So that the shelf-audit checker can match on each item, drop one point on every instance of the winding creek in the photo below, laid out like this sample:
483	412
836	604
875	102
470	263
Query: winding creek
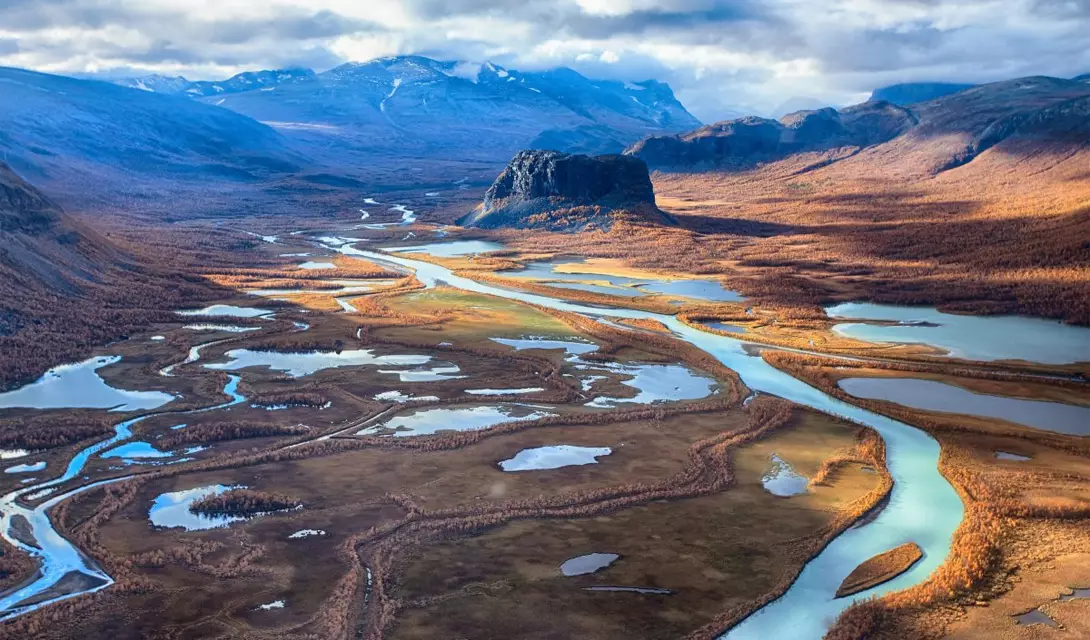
922	508
30	529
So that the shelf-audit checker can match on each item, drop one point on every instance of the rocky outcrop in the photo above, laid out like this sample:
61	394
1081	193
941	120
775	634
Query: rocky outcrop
560	191
748	141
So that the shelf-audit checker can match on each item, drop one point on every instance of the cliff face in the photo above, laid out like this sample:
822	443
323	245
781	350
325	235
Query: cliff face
549	189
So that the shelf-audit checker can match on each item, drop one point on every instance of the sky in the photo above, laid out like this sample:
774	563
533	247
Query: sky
722	57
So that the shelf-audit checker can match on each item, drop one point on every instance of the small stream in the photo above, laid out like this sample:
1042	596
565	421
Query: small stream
59	560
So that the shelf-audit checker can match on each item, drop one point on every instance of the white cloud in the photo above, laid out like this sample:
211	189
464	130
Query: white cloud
717	54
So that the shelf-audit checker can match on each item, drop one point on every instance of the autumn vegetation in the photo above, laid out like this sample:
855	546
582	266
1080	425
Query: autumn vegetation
242	502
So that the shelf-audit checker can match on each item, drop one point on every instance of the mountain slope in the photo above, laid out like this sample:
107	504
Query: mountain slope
40	246
1035	113
64	288
751	140
912	92
80	136
412	105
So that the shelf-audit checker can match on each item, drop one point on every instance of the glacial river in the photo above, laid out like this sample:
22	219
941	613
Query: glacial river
923	507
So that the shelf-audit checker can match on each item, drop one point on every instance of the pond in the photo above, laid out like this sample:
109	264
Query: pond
436	373
171	510
135	450
723	326
79	386
298	365
452	249
701	288
226	310
782	479
504	392
932	395
554	457
226	328
29	467
967	337
655	383
311	265
570	347
590	563
422	422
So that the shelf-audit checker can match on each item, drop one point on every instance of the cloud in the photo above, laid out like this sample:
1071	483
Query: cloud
720	56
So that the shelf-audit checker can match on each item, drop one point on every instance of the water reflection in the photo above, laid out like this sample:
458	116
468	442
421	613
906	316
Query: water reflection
782	480
428	421
932	395
554	457
590	563
969	337
79	386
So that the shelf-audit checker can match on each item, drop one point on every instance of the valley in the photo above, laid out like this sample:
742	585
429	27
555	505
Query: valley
604	397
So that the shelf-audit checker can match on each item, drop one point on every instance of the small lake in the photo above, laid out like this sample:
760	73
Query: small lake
570	347
504	392
782	480
171	510
136	449
298	365
401	398
932	395
226	328
590	563
226	310
79	386
311	265
451	249
711	290
423	422
554	457
968	337
655	383
723	326
624	292
29	467
701	289
436	373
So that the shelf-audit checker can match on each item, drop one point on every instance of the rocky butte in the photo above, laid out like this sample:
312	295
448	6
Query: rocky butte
568	192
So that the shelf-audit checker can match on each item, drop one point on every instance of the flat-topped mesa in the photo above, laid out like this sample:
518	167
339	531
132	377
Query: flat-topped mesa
567	192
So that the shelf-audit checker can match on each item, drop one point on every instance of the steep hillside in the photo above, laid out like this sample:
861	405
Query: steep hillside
751	140
412	105
562	192
41	247
1037	112
929	138
912	92
82	136
64	288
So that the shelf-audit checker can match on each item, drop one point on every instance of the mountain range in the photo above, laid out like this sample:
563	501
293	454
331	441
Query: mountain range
922	138
412	105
